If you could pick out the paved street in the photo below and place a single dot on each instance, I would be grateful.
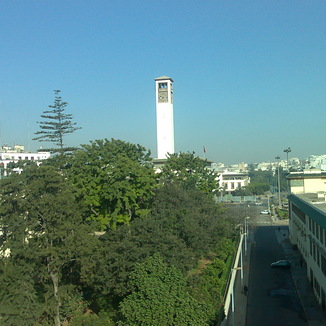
(272, 299)
(275, 297)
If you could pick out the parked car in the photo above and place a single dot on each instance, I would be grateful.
(265, 212)
(281, 264)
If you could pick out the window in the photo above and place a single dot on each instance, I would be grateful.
(162, 85)
(310, 247)
(298, 212)
(323, 265)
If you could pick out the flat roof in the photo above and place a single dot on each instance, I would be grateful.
(307, 174)
(164, 78)
(312, 205)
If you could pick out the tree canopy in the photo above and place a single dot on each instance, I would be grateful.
(44, 241)
(114, 179)
(160, 297)
(162, 231)
(191, 171)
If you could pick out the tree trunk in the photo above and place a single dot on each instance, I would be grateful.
(55, 282)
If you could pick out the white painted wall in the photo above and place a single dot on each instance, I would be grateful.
(8, 157)
(164, 122)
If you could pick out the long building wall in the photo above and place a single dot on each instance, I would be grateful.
(307, 224)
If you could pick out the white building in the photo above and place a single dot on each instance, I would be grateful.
(164, 116)
(16, 154)
(230, 181)
(317, 162)
(307, 225)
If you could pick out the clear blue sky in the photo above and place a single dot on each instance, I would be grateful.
(249, 76)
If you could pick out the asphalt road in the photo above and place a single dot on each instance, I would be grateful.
(272, 297)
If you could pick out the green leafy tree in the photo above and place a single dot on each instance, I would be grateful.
(252, 189)
(209, 284)
(160, 297)
(191, 171)
(43, 233)
(184, 226)
(114, 179)
(56, 125)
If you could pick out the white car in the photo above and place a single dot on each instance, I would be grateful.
(265, 212)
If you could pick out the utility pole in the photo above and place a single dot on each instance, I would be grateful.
(279, 184)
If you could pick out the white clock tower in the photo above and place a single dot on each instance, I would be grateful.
(164, 116)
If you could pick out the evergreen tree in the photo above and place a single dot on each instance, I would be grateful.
(56, 125)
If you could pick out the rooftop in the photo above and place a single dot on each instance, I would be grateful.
(164, 78)
(307, 174)
(313, 204)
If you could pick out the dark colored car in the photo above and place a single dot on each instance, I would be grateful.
(281, 264)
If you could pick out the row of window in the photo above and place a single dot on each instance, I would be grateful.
(314, 252)
(318, 289)
(162, 85)
(233, 185)
(20, 158)
(314, 228)
(232, 178)
(317, 256)
(317, 231)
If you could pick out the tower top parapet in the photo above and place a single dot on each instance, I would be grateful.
(164, 78)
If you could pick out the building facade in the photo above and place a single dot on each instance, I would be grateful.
(16, 154)
(308, 181)
(164, 116)
(307, 226)
(231, 181)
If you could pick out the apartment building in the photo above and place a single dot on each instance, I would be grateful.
(307, 225)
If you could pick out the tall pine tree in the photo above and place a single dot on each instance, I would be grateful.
(56, 125)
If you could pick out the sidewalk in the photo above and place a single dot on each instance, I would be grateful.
(313, 312)
(240, 299)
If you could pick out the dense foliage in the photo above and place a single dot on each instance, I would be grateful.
(160, 297)
(191, 171)
(165, 242)
(44, 242)
(114, 179)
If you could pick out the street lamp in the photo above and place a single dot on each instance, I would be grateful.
(287, 151)
(279, 185)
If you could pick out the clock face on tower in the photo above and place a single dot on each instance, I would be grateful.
(162, 97)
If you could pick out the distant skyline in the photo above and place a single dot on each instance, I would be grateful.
(249, 76)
